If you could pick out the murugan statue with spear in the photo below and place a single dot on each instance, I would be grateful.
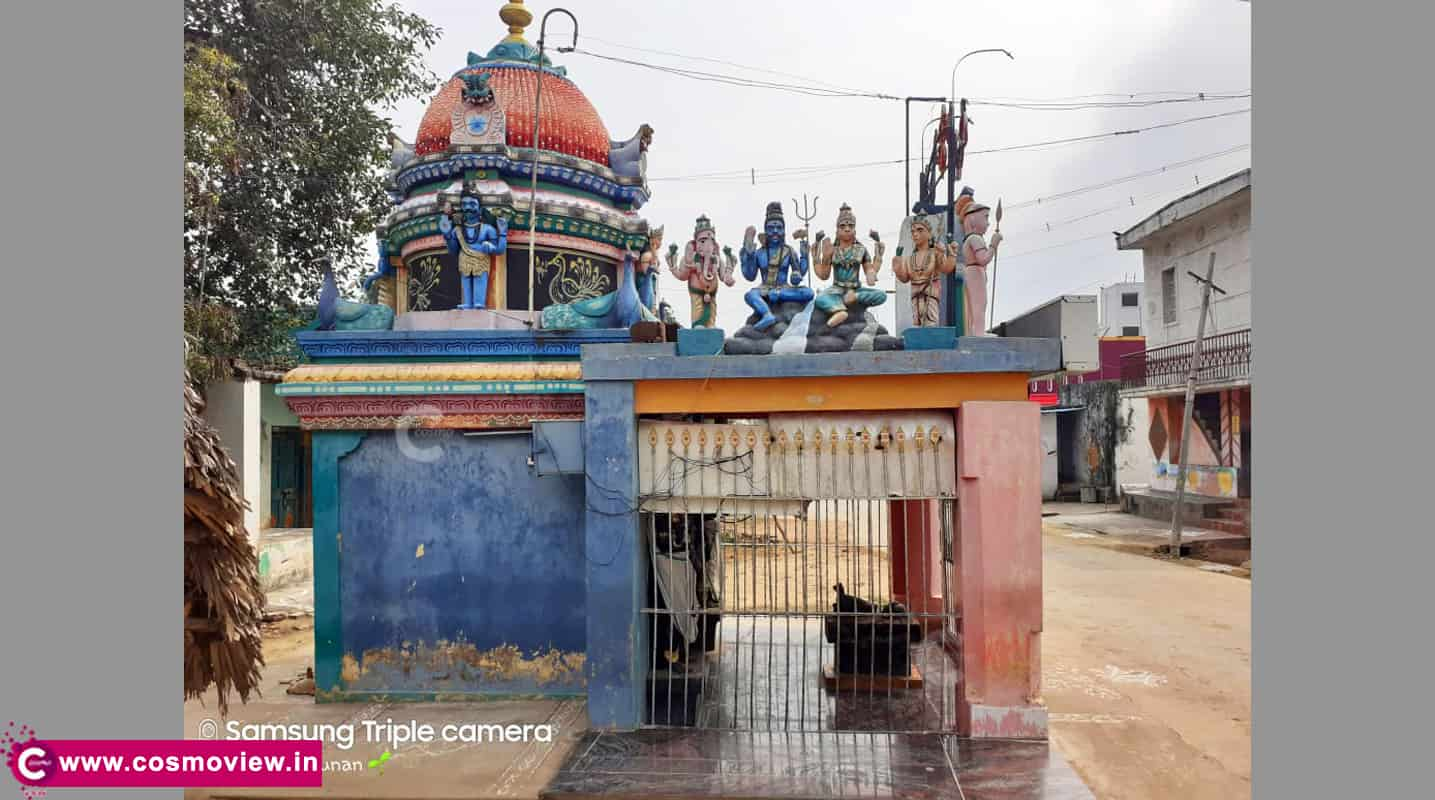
(977, 254)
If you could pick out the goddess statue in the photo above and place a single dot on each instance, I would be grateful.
(846, 262)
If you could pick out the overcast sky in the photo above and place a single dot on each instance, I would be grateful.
(1063, 50)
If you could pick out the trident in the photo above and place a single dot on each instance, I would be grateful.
(806, 216)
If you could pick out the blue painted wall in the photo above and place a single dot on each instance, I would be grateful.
(502, 567)
(616, 670)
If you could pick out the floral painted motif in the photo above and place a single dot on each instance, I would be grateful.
(423, 279)
(573, 277)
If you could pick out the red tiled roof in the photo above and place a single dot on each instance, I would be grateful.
(569, 124)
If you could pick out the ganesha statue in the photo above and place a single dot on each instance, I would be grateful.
(703, 264)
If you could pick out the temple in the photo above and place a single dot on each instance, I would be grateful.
(475, 146)
(812, 525)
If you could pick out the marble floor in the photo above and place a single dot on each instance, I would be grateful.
(766, 675)
(668, 764)
(758, 723)
(752, 719)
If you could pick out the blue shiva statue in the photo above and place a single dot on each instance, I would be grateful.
(779, 270)
(475, 242)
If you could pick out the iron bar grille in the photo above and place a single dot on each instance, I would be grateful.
(1225, 357)
(751, 529)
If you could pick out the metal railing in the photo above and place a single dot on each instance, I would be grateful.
(1225, 357)
(799, 581)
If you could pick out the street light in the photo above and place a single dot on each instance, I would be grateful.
(972, 53)
(952, 162)
(533, 187)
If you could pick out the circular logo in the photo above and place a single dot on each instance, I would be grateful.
(410, 433)
(34, 763)
(477, 124)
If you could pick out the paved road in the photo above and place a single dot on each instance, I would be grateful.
(1146, 671)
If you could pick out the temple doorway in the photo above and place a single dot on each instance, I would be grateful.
(798, 573)
(290, 497)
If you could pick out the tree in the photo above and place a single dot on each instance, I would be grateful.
(285, 152)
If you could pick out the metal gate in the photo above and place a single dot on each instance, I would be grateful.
(800, 572)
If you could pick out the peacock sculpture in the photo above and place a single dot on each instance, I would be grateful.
(338, 314)
(617, 309)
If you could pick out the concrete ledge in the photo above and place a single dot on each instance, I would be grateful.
(630, 362)
(419, 344)
(700, 341)
(466, 319)
(929, 338)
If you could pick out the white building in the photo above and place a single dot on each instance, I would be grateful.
(1178, 240)
(263, 437)
(1176, 243)
(1121, 310)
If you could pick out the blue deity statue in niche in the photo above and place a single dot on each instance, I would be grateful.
(476, 242)
(778, 269)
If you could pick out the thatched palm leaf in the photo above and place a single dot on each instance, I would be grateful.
(223, 603)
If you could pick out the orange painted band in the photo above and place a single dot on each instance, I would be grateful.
(834, 393)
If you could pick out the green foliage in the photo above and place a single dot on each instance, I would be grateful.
(216, 335)
(214, 99)
(210, 332)
(286, 145)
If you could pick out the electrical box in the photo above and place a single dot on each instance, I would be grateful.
(558, 447)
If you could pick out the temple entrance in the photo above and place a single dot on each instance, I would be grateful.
(290, 499)
(798, 573)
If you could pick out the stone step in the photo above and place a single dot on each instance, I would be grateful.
(1228, 526)
(1230, 550)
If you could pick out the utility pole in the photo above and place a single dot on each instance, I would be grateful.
(1186, 421)
(949, 290)
(907, 156)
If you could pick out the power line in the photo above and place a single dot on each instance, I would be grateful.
(1126, 178)
(734, 80)
(1200, 97)
(672, 54)
(1058, 245)
(1095, 136)
(1127, 95)
(814, 88)
(745, 172)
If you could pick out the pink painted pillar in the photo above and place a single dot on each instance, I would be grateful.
(997, 575)
(916, 529)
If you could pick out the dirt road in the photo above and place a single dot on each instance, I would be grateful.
(1146, 671)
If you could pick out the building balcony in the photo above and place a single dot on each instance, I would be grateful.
(1225, 359)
